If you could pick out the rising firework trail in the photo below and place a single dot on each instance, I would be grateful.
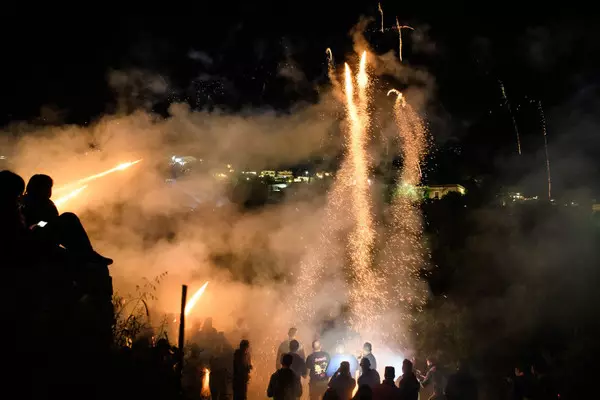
(543, 121)
(512, 116)
(403, 253)
(331, 71)
(192, 302)
(380, 12)
(74, 193)
(364, 294)
(90, 178)
(400, 27)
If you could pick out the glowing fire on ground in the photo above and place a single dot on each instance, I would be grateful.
(205, 391)
(190, 304)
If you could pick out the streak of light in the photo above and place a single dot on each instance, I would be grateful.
(543, 121)
(90, 178)
(331, 71)
(74, 193)
(400, 27)
(192, 302)
(380, 12)
(512, 116)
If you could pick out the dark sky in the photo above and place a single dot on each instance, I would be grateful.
(228, 55)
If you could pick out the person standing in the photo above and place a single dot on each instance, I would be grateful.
(342, 382)
(316, 364)
(284, 347)
(408, 383)
(368, 354)
(284, 383)
(242, 366)
(368, 376)
(298, 363)
(387, 390)
(434, 377)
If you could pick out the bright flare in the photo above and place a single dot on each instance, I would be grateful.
(205, 391)
(87, 179)
(192, 302)
(364, 294)
(63, 199)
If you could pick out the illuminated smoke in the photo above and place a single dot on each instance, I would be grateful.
(380, 12)
(63, 199)
(192, 302)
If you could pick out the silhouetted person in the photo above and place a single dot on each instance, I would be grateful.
(521, 385)
(364, 392)
(37, 205)
(435, 377)
(317, 364)
(285, 383)
(461, 385)
(242, 366)
(367, 353)
(65, 229)
(408, 383)
(340, 356)
(298, 363)
(369, 377)
(342, 381)
(13, 232)
(284, 347)
(387, 390)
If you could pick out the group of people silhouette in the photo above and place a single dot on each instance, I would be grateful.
(33, 230)
(333, 378)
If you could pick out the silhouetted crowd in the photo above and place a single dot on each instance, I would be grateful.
(56, 294)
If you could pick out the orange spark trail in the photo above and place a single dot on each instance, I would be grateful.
(380, 12)
(119, 167)
(364, 291)
(192, 302)
(63, 199)
(331, 71)
(404, 253)
(400, 27)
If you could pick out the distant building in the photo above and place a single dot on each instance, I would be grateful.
(284, 176)
(267, 173)
(439, 191)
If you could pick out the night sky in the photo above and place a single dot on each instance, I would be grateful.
(227, 56)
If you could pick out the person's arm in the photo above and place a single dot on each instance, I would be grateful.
(304, 370)
(270, 387)
(428, 378)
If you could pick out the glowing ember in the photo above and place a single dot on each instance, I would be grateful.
(192, 302)
(63, 199)
(119, 167)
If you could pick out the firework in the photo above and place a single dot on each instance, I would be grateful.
(90, 178)
(400, 27)
(512, 116)
(63, 199)
(380, 12)
(192, 302)
(543, 122)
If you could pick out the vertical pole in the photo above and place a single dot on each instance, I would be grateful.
(182, 329)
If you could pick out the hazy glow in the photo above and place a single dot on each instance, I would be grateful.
(192, 302)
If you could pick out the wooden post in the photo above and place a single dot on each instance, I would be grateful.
(182, 328)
